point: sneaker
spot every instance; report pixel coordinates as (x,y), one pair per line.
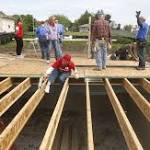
(104,67)
(20,56)
(17,56)
(47,88)
(48,61)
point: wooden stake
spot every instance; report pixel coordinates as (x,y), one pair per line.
(89,39)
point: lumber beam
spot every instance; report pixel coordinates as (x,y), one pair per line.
(5,85)
(145,84)
(49,136)
(137,97)
(90,139)
(128,131)
(12,131)
(8,100)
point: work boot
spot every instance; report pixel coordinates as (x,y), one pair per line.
(140,68)
(47,88)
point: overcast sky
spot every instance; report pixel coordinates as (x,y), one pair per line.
(122,11)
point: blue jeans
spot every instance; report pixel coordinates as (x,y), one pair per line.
(101,55)
(44,46)
(54,44)
(62,76)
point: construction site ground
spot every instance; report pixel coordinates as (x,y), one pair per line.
(32,67)
(71,134)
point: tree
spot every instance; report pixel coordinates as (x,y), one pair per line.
(63,20)
(128,28)
(27,22)
(84,19)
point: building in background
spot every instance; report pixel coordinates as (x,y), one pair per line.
(7,28)
(7,23)
(84,28)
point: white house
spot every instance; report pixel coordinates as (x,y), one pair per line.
(7,23)
(84,28)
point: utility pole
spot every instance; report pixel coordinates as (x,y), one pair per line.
(33,24)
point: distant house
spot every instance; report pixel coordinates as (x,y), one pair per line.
(84,28)
(7,23)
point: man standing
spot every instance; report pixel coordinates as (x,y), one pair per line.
(141,39)
(101,38)
(54,38)
(19,38)
(42,35)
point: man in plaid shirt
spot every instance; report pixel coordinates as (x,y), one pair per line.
(101,40)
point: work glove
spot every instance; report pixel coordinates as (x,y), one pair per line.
(138,13)
(76,76)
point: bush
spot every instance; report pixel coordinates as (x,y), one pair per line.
(124,40)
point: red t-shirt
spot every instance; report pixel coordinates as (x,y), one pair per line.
(19,30)
(65,68)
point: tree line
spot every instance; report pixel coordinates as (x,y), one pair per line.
(29,22)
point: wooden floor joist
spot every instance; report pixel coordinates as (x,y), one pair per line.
(12,131)
(145,84)
(90,139)
(49,136)
(8,100)
(128,132)
(138,98)
(5,85)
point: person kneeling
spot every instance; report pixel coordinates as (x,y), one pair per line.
(61,69)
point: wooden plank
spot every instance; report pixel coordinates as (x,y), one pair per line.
(90,139)
(137,97)
(5,85)
(49,136)
(8,100)
(128,131)
(12,131)
(145,84)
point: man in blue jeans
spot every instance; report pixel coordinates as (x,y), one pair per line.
(101,38)
(42,34)
(141,40)
(61,69)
